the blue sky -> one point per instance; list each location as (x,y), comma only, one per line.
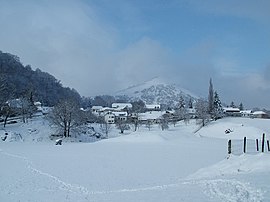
(113,44)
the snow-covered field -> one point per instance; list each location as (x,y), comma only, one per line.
(155,165)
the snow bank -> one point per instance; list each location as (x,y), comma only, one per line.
(240,127)
(232,165)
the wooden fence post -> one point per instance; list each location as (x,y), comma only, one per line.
(268,146)
(263,142)
(245,144)
(229,146)
(257,144)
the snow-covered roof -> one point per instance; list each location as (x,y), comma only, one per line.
(191,110)
(152,115)
(258,112)
(155,106)
(37,103)
(120,113)
(246,112)
(231,109)
(97,107)
(121,105)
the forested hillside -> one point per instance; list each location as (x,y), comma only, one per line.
(17,80)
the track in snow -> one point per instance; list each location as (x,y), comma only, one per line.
(221,189)
(230,190)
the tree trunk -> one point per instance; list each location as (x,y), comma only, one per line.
(6,118)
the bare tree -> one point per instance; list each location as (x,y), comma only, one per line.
(25,106)
(202,111)
(66,116)
(180,114)
(210,97)
(105,128)
(122,126)
(3,88)
(6,111)
(149,124)
(25,109)
(174,120)
(134,120)
(164,122)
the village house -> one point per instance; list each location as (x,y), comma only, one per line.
(112,117)
(191,112)
(122,106)
(96,110)
(120,116)
(260,114)
(231,111)
(155,107)
(153,116)
(109,118)
(246,113)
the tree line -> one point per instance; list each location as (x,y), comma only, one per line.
(17,80)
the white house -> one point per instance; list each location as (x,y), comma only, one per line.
(109,118)
(96,109)
(246,113)
(191,112)
(121,116)
(46,110)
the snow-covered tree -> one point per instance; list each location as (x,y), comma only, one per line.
(180,110)
(138,106)
(190,104)
(241,106)
(218,110)
(232,104)
(181,103)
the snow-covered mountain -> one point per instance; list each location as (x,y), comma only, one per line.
(157,91)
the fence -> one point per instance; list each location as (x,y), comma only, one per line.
(250,146)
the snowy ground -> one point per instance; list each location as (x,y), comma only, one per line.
(155,165)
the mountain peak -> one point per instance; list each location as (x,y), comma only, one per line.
(157,91)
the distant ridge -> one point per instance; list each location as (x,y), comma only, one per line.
(21,81)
